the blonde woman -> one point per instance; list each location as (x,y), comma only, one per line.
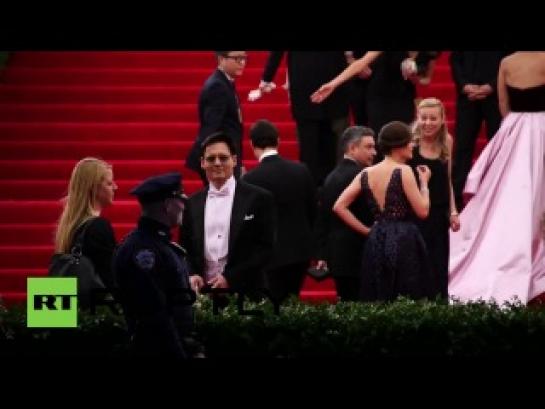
(433,148)
(90,190)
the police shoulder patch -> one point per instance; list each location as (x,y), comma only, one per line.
(145,259)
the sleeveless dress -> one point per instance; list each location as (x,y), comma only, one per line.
(395,261)
(435,228)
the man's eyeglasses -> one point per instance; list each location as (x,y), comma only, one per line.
(213,158)
(238,58)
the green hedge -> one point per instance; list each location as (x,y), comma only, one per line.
(404,328)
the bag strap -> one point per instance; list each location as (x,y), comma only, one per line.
(77,247)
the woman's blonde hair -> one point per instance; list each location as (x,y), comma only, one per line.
(442,134)
(87,176)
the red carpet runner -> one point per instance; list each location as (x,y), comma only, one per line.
(136,110)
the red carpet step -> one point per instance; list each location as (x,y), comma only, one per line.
(115,131)
(127,112)
(123,169)
(65,94)
(123,76)
(124,59)
(155,149)
(45,189)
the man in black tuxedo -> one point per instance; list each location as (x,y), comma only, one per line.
(340,247)
(229,226)
(219,108)
(294,193)
(319,126)
(475,74)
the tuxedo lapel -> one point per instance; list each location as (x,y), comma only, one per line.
(240,206)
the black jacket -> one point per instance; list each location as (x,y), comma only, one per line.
(476,67)
(294,193)
(99,245)
(219,110)
(308,71)
(340,245)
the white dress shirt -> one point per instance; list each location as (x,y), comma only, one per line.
(217,223)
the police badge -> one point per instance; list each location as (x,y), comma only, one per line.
(145,259)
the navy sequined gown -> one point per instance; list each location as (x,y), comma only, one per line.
(395,260)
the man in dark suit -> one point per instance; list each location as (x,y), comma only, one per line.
(340,247)
(229,226)
(294,194)
(219,108)
(319,126)
(475,74)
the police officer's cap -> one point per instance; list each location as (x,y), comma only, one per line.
(161,187)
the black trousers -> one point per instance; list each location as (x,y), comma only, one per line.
(469,118)
(381,111)
(348,288)
(435,232)
(318,145)
(286,280)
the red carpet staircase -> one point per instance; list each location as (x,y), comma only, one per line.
(136,110)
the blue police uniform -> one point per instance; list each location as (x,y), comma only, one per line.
(153,279)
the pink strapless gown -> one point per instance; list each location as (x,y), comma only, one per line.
(499,252)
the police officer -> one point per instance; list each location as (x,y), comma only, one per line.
(152,274)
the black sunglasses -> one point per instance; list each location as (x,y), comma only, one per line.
(212,158)
(238,58)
